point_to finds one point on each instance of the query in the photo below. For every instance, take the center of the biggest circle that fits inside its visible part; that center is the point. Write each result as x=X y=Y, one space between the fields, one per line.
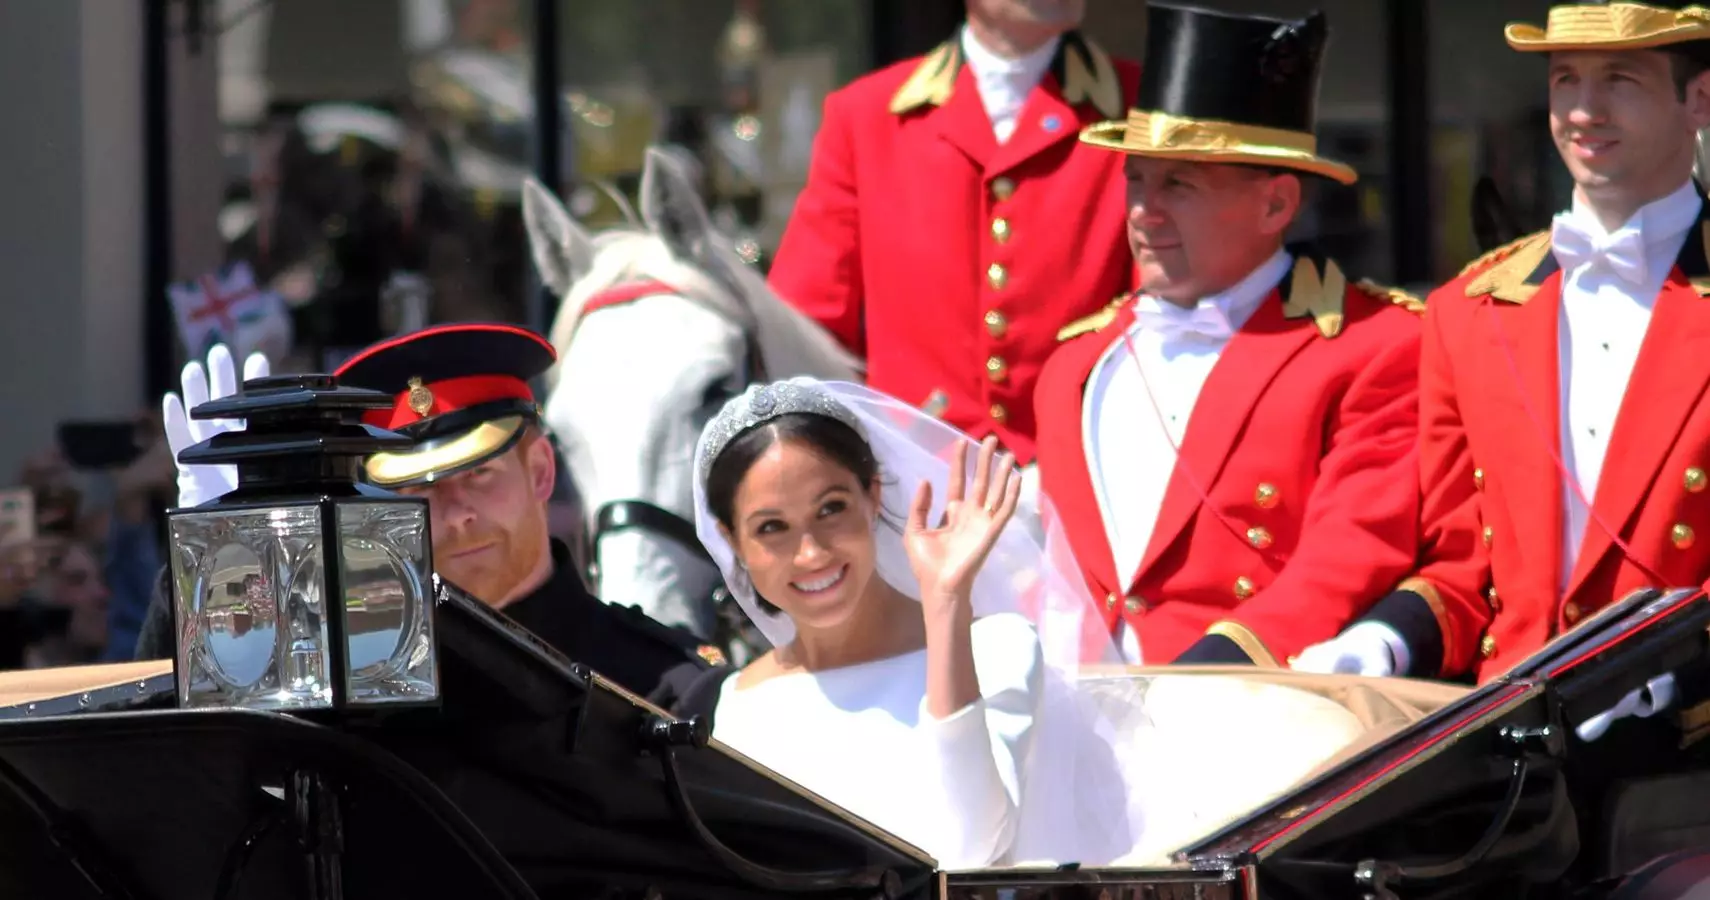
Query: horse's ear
x=563 y=250
x=671 y=205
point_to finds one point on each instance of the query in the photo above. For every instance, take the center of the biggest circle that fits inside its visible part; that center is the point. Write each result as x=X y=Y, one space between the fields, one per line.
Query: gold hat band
x=1160 y=134
x=1162 y=131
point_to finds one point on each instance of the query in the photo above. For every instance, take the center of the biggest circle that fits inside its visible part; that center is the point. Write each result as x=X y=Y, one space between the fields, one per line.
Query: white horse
x=660 y=323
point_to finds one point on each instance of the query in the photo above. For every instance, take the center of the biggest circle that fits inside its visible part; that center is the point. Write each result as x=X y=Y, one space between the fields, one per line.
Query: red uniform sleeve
x=1359 y=535
x=817 y=268
x=1444 y=596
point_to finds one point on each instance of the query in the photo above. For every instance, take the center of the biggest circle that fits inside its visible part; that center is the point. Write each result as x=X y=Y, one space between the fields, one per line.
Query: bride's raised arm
x=979 y=717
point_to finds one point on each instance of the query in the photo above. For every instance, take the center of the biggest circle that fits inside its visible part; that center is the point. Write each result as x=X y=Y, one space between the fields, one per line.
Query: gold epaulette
x=1318 y=296
x=932 y=81
x=1092 y=323
x=1090 y=77
x=1087 y=73
x=1507 y=268
x=1501 y=252
x=1394 y=295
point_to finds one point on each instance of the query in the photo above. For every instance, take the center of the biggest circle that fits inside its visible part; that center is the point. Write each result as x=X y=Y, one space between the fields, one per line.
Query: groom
x=487 y=468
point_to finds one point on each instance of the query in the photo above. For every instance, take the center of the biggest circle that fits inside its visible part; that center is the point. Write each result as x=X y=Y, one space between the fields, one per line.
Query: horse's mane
x=789 y=343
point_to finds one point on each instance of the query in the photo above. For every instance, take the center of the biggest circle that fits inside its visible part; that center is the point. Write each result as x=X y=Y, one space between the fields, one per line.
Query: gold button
x=1243 y=588
x=1696 y=480
x=996 y=276
x=996 y=369
x=1132 y=605
x=996 y=324
x=1491 y=598
x=1487 y=646
x=1109 y=601
x=1682 y=535
x=1489 y=535
x=1258 y=537
x=1570 y=612
x=1003 y=188
x=1478 y=478
x=1000 y=230
x=1265 y=495
x=998 y=413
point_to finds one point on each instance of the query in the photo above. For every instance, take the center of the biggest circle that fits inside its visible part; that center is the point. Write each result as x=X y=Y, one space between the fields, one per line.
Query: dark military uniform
x=462 y=393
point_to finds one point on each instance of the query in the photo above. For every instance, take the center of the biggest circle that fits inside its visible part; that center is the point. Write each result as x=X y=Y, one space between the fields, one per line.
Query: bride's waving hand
x=947 y=558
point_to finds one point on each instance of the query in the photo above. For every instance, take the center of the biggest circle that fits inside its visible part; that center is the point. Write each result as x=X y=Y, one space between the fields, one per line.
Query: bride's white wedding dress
x=860 y=737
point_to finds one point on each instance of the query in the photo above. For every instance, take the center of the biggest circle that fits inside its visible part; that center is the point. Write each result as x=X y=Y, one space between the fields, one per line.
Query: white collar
x=988 y=65
x=1660 y=220
x=1237 y=303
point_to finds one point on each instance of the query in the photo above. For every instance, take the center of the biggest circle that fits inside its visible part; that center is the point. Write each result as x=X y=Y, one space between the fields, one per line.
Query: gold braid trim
x=1501 y=252
x=1095 y=322
x=1397 y=296
x=1246 y=640
x=1439 y=610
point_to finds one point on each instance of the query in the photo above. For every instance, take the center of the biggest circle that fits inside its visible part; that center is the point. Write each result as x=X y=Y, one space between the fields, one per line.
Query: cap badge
x=712 y=655
x=421 y=399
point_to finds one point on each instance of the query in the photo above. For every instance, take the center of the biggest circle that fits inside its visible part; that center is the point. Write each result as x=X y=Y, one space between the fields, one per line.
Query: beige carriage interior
x=1229 y=739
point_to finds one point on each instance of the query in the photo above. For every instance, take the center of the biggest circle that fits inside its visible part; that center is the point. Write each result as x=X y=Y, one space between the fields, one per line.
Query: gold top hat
x=1611 y=26
x=1224 y=88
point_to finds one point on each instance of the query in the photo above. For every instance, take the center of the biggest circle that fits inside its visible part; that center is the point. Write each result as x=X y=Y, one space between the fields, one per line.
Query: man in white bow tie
x=1231 y=450
x=1565 y=433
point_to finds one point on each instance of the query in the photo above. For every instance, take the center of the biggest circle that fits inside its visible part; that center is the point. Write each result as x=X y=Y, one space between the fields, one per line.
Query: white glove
x=1654 y=697
x=199 y=484
x=1368 y=648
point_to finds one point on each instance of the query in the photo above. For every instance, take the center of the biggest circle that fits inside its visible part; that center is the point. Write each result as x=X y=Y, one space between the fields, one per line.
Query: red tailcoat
x=1489 y=450
x=1305 y=446
x=949 y=261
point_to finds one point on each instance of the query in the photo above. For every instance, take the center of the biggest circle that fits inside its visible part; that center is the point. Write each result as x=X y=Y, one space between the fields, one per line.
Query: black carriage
x=534 y=778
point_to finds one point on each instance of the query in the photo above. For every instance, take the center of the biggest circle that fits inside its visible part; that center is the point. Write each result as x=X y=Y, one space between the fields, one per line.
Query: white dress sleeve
x=980 y=751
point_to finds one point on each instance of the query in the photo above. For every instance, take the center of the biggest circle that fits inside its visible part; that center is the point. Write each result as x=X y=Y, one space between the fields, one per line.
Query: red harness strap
x=628 y=292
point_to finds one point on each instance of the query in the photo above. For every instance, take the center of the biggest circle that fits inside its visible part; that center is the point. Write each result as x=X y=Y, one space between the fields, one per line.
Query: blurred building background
x=364 y=157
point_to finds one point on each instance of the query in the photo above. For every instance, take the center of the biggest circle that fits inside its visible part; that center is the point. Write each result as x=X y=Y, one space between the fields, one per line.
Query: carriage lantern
x=301 y=589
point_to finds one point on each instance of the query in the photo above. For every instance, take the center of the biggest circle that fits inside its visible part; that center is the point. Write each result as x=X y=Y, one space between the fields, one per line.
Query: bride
x=918 y=679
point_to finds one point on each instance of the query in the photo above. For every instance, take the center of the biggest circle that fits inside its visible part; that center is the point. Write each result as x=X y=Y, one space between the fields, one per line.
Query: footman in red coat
x=951 y=223
x=1232 y=449
x=1565 y=430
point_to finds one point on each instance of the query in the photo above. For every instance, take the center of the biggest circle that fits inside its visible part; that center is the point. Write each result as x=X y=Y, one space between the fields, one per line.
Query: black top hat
x=1227 y=88
x=462 y=392
x=1610 y=26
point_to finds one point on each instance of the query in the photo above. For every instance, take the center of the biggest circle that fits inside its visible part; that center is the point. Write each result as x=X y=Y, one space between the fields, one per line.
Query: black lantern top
x=302 y=436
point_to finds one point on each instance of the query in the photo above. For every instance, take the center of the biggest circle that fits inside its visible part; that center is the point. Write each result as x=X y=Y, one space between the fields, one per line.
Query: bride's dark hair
x=825 y=435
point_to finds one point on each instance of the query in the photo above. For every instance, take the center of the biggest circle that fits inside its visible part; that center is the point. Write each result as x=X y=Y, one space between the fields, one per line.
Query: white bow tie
x=1622 y=253
x=1205 y=320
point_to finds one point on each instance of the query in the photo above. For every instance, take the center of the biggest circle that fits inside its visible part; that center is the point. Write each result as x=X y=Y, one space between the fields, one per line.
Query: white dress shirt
x=1004 y=83
x=1130 y=457
x=1610 y=282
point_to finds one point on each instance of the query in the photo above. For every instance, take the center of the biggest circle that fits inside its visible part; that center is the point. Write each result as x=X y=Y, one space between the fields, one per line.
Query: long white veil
x=1074 y=800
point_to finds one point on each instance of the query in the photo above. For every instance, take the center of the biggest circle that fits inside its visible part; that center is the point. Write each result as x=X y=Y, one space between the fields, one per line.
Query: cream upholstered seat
x=1225 y=740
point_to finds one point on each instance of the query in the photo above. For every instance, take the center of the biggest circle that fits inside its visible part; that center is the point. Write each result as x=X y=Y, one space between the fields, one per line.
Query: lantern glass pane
x=386 y=577
x=250 y=609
